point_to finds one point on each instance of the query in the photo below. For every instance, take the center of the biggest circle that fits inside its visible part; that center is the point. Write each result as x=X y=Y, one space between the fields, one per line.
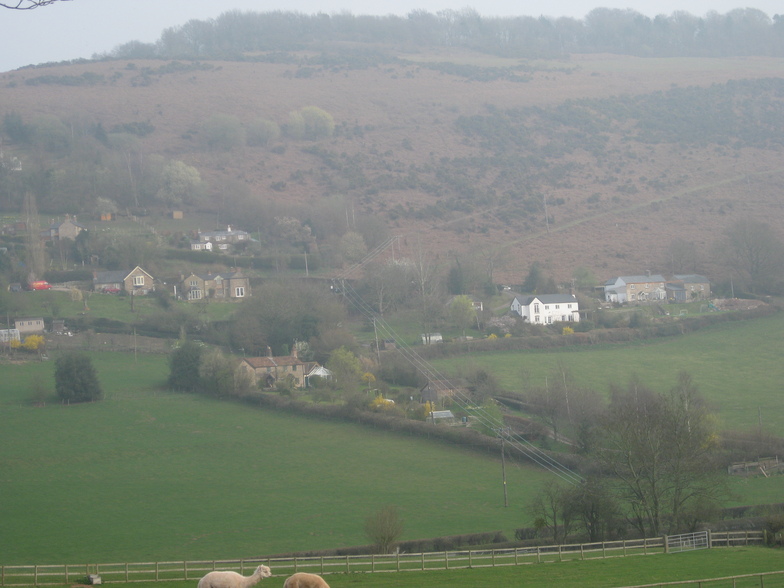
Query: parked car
x=39 y=285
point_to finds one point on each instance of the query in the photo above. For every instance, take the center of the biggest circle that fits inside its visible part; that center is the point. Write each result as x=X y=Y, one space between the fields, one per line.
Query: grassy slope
x=736 y=366
x=147 y=475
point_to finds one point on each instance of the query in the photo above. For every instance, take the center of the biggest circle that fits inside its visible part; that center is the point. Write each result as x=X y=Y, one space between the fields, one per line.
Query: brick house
x=137 y=281
x=635 y=289
x=265 y=371
x=688 y=287
x=223 y=286
x=67 y=229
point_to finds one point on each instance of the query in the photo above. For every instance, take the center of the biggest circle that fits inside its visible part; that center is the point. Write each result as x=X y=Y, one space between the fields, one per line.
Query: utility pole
x=378 y=352
x=502 y=433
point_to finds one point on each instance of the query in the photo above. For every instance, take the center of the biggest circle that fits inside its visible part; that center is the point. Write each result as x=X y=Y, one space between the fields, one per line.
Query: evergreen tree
x=76 y=379
x=184 y=364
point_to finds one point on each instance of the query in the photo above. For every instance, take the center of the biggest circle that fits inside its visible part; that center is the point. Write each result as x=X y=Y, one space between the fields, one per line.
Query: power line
x=514 y=440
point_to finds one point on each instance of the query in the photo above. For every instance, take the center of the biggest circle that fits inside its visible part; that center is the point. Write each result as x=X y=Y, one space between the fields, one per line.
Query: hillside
x=599 y=161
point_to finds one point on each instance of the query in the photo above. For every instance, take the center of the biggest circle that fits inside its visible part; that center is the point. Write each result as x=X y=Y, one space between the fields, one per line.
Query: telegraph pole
x=502 y=433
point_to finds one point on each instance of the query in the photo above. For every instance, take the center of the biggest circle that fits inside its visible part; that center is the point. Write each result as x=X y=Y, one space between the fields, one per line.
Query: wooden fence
x=59 y=574
x=761 y=580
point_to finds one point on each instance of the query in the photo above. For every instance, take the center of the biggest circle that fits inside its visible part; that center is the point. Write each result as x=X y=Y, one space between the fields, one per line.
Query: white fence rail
x=56 y=574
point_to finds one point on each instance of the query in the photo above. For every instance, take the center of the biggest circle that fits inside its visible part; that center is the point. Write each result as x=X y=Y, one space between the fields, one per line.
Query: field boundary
x=708 y=582
x=64 y=574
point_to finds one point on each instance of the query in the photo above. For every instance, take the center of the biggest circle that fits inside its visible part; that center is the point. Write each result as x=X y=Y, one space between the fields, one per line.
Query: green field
x=737 y=367
x=56 y=304
x=602 y=573
x=147 y=475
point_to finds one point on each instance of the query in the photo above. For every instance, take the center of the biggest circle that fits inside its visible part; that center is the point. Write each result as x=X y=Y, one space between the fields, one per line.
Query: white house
x=546 y=309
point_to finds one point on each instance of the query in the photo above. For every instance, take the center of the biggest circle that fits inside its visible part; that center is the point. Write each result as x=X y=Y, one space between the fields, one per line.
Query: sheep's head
x=263 y=571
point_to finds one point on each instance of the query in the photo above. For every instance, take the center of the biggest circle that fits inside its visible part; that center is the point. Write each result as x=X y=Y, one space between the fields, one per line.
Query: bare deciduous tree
x=384 y=528
x=28 y=4
x=660 y=447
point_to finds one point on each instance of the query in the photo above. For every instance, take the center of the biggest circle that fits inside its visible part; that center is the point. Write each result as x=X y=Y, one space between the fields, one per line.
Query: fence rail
x=58 y=574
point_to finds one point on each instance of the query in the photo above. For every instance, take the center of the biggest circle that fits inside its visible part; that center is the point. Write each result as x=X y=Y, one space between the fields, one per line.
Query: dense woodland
x=235 y=34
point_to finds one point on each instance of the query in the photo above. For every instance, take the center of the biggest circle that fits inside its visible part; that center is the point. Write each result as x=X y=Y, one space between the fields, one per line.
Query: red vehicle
x=39 y=285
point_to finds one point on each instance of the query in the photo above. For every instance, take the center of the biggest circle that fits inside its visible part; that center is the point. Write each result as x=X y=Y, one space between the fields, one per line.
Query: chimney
x=269 y=351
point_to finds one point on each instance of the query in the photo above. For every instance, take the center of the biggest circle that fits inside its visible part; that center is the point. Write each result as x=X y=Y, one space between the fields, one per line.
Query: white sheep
x=303 y=580
x=224 y=579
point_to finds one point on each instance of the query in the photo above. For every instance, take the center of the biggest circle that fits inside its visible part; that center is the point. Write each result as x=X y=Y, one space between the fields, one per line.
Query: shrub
x=76 y=379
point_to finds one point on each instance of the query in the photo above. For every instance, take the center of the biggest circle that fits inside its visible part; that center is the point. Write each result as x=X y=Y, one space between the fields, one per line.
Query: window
x=239 y=292
x=194 y=283
x=138 y=280
x=557 y=306
x=632 y=287
x=194 y=295
x=536 y=308
x=549 y=320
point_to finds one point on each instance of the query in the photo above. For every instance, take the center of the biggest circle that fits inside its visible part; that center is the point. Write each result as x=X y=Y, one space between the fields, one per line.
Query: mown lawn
x=737 y=367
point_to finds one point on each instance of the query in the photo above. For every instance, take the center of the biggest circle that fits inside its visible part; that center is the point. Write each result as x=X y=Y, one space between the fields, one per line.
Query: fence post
x=322 y=565
x=295 y=565
x=582 y=552
x=126 y=571
x=604 y=552
x=517 y=550
x=372 y=562
x=347 y=565
x=538 y=554
x=666 y=544
x=469 y=558
x=185 y=569
x=710 y=539
x=560 y=557
x=423 y=561
x=398 y=560
x=446 y=559
x=156 y=571
x=493 y=552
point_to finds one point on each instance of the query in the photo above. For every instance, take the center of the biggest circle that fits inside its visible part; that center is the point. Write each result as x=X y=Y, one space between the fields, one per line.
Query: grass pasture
x=147 y=475
x=591 y=573
x=736 y=365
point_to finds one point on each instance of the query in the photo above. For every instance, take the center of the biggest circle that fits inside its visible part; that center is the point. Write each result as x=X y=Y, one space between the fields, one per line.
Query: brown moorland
x=615 y=213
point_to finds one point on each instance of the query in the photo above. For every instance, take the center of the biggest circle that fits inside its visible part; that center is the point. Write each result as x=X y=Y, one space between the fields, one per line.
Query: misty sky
x=81 y=28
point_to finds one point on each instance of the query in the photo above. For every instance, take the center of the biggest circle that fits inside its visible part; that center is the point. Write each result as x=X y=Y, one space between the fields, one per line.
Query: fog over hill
x=500 y=158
